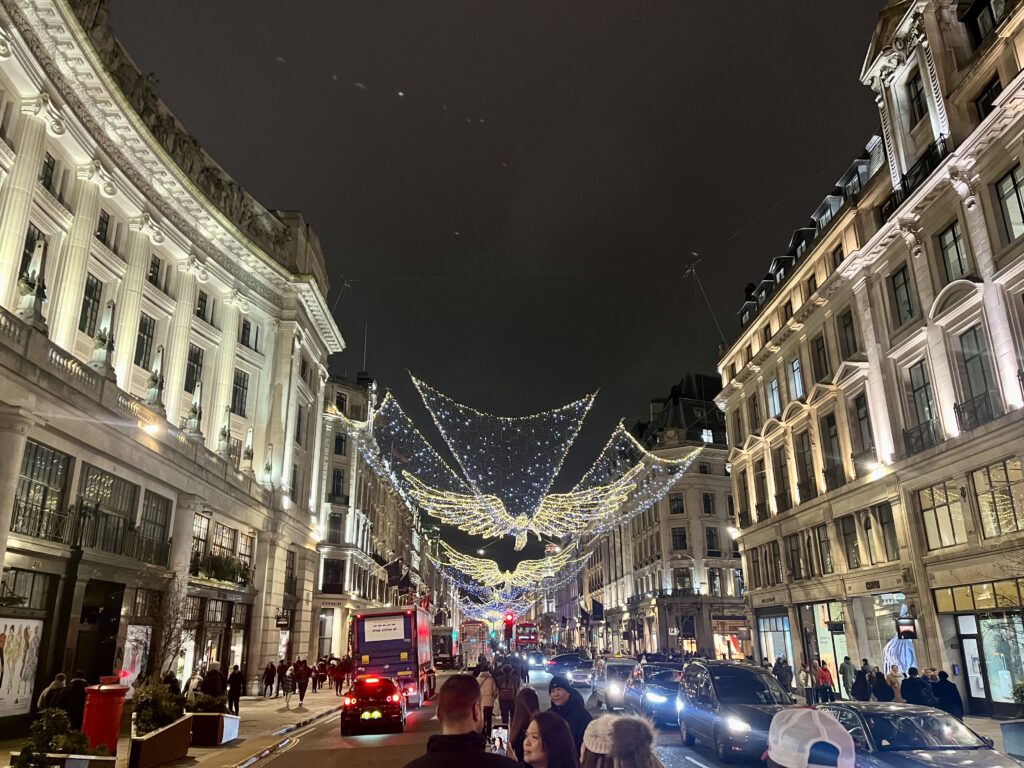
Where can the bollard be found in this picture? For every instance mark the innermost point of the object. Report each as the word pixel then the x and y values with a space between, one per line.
pixel 104 706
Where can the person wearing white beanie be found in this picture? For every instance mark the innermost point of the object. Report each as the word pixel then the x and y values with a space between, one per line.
pixel 808 738
pixel 619 741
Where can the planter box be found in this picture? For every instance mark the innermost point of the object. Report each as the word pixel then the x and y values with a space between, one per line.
pixel 162 745
pixel 211 729
pixel 1013 737
pixel 74 761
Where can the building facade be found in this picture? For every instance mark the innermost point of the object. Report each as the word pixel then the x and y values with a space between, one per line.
pixel 874 392
pixel 163 349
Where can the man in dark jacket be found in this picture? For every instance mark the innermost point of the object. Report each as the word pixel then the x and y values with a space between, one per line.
pixel 213 680
pixel 236 687
pixel 947 696
pixel 917 690
pixel 72 699
pixel 568 703
pixel 460 742
pixel 282 669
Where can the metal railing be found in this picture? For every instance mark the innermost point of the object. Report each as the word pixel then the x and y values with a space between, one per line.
pixel 808 489
pixel 976 411
pixel 745 521
pixel 114 534
pixel 915 176
pixel 922 437
pixel 222 567
pixel 761 510
pixel 783 502
pixel 40 523
pixel 835 476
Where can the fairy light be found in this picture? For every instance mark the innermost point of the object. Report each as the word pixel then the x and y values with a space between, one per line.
pixel 487 573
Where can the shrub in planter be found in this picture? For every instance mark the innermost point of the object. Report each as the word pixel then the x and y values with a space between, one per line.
pixel 50 735
pixel 216 705
pixel 155 707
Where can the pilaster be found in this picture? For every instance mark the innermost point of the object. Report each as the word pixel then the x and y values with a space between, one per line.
pixel 176 348
pixel 15 424
pixel 224 369
pixel 129 296
pixel 881 426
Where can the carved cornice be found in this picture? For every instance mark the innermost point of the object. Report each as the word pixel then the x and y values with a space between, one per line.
pixel 95 171
pixel 146 225
pixel 42 106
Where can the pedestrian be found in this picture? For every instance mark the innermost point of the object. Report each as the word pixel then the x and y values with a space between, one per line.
pixel 302 675
pixel 193 686
pixel 881 689
pixel 488 695
pixel 783 673
pixel 807 683
pixel 173 683
pixel 549 743
pixel 460 742
pixel 282 669
pixel 866 667
pixel 846 670
pixel 287 686
pixel 567 702
pixel 765 663
pixel 808 738
pixel 619 741
pixel 895 681
pixel 526 706
pixel 321 675
pixel 826 686
pixel 508 686
pixel 947 696
pixel 50 695
pixel 236 689
pixel 861 688
pixel 916 690
pixel 269 675
pixel 213 680
pixel 346 666
pixel 72 699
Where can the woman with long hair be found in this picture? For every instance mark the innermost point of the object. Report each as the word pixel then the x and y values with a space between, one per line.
pixel 619 741
pixel 526 706
pixel 549 743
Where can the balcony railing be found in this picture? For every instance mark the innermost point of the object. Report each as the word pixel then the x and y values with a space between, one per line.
pixel 40 523
pixel 835 476
pixel 338 498
pixel 864 462
pixel 808 489
pixel 761 510
pixel 922 437
pixel 915 176
pixel 745 521
pixel 979 410
pixel 289 585
pixel 783 503
pixel 114 534
pixel 332 588
pixel 222 567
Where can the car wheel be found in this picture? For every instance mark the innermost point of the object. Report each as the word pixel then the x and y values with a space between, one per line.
pixel 684 734
pixel 722 749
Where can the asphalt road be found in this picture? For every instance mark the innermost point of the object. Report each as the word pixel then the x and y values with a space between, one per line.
pixel 322 746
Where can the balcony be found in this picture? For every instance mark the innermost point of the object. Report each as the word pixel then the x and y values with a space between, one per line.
pixel 114 534
pixel 808 489
pixel 340 499
pixel 864 462
pixel 915 177
pixel 922 437
pixel 222 567
pixel 761 510
pixel 783 503
pixel 835 476
pixel 40 523
pixel 979 410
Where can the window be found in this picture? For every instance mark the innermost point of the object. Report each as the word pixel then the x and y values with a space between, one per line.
pixel 340 444
pixel 983 16
pixel 202 305
pixel 795 557
pixel 986 101
pixel 922 404
pixel 942 515
pixel 245 333
pixel 91 300
pixel 200 535
pixel 224 539
pixel 804 458
pixel 113 495
pixel 304 369
pixel 851 545
pixel 337 483
pixel 883 515
pixel 708 501
pixel 824 549
pixel 682 579
pixel 916 98
pixel 812 285
pixel 146 604
pixel 819 358
pixel 787 310
pixel 46 174
pixel 153 277
pixel 289 564
pixel 954 259
pixel 976 377
pixel 781 467
pixel 848 335
pixel 296 489
pixel 730 505
pixel 707 436
pixel 678 538
pixel 903 303
pixel 33 587
pixel 754 411
pixel 300 424
pixel 796 379
pixel 862 423
pixel 755 567
pixel 334 572
pixel 715 582
pixel 774 397
pixel 766 335
pixel 711 540
pixel 737 427
pixel 704 468
pixel 246 548
pixel 39 496
pixel 32 236
pixel 156 517
pixel 675 504
pixel 775 562
pixel 215 611
pixel 239 392
pixel 341 402
pixel 193 368
pixel 837 256
pixel 144 341
pixel 999 489
pixel 1012 203
pixel 831 452
pixel 103 227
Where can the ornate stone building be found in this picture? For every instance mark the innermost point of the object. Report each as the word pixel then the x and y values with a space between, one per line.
pixel 874 392
pixel 163 348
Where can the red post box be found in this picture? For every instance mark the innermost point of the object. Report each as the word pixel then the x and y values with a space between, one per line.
pixel 104 705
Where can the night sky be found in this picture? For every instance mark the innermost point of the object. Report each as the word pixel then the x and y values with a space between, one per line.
pixel 513 189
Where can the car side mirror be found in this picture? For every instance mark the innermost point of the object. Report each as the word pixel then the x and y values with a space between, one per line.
pixel 792 699
pixel 988 741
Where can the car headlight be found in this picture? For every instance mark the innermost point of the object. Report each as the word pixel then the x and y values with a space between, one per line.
pixel 735 725
pixel 680 704
pixel 614 688
pixel 657 698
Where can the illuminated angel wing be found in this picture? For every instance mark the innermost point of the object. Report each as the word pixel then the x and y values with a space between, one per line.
pixel 579 509
pixel 479 515
pixel 485 572
pixel 537 572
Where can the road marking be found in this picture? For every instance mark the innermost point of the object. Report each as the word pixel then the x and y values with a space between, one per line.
pixel 696 762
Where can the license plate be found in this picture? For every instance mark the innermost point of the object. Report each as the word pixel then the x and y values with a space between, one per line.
pixel 368 715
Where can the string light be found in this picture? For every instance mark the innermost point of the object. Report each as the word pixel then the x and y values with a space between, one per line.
pixel 528 573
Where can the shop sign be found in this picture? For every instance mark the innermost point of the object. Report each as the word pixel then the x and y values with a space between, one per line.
pixel 282 621
pixel 869 585
pixel 673 631
pixel 836 627
pixel 742 633
pixel 766 600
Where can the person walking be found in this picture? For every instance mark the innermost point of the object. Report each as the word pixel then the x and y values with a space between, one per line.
pixel 947 696
pixel 846 675
pixel 287 686
pixel 173 683
pixel 861 688
pixel 881 689
pixel 72 699
pixel 806 683
pixel 619 741
pixel 213 680
pixel 895 680
pixel 282 670
pixel 236 689
pixel 567 702
pixel 917 690
pixel 193 686
pixel 526 706
pixel 488 695
pixel 269 675
pixel 346 666
pixel 549 743
pixel 302 674
pixel 826 686
pixel 508 686
pixel 460 711
pixel 50 695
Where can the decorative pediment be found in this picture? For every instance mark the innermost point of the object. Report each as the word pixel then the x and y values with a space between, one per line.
pixel 752 442
pixel 821 392
pixel 850 371
pixel 793 410
pixel 771 427
pixel 954 298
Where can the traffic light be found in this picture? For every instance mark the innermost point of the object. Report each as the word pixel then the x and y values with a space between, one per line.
pixel 509 622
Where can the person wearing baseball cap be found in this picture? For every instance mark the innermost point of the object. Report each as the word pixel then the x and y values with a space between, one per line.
pixel 808 738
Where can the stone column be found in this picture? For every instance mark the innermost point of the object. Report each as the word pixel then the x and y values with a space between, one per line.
pixel 69 285
pixel 890 146
pixel 881 426
pixel 176 349
pixel 129 295
pixel 181 533
pixel 291 406
pixel 38 117
pixel 224 370
pixel 15 423
pixel 317 467
pixel 926 63
pixel 263 632
pixel 278 430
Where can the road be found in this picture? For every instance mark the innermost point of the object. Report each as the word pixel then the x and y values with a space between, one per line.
pixel 322 746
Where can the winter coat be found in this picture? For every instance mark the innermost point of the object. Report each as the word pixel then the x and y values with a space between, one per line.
pixel 785 676
pixel 917 690
pixel 804 679
pixel 469 749
pixel 488 689
pixel 881 689
pixel 825 678
pixel 50 695
pixel 846 674
pixel 72 701
pixel 947 698
pixel 269 675
pixel 236 683
pixel 861 689
pixel 213 681
pixel 574 712
pixel 288 682
pixel 193 686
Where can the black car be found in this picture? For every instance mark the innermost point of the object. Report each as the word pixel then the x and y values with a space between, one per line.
pixel 729 705
pixel 564 663
pixel 372 702
pixel 651 691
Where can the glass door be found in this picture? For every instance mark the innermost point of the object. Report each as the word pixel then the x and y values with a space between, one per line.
pixel 1002 640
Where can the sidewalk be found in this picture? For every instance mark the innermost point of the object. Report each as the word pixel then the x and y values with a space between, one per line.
pixel 986 726
pixel 264 723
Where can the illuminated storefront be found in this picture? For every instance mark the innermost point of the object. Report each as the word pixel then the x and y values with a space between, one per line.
pixel 774 633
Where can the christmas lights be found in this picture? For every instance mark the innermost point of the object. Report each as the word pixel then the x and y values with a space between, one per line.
pixel 527 573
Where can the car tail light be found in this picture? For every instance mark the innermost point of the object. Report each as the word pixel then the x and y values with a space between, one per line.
pixel 395 698
pixel 551 662
pixel 349 701
pixel 371 680
pixel 411 689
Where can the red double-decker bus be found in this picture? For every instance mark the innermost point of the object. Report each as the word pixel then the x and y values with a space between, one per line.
pixel 526 637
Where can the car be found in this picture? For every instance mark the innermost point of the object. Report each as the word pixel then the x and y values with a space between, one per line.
pixel 373 701
pixel 536 660
pixel 728 705
pixel 563 663
pixel 651 691
pixel 889 734
pixel 609 682
pixel 582 675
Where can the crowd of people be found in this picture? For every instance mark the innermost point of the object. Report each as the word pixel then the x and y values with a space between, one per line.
pixel 286 678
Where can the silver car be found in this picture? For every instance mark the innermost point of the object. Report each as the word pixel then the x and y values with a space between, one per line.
pixel 609 682
pixel 889 735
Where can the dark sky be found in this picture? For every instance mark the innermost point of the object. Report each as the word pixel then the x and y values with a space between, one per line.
pixel 512 189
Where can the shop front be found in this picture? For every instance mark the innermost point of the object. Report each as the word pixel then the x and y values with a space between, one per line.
pixel 874 624
pixel 774 634
pixel 823 634
pixel 987 620
pixel 732 636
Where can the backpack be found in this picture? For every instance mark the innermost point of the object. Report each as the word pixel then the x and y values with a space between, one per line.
pixel 507 688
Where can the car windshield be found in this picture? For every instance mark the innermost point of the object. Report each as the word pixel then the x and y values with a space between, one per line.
pixel 618 671
pixel 662 676
pixel 735 686
pixel 898 731
pixel 377 687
